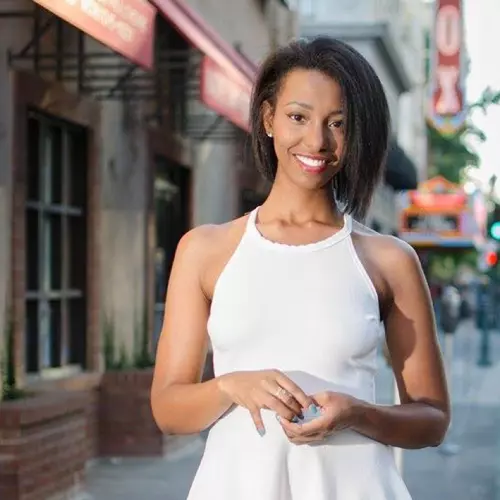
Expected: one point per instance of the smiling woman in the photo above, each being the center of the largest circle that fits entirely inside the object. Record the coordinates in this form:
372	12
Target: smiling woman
296	297
334	93
319	152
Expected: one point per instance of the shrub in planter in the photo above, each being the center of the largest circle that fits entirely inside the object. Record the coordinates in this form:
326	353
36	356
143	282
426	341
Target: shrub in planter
126	424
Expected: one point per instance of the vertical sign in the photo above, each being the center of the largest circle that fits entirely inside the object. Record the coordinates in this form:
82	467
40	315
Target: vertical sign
447	109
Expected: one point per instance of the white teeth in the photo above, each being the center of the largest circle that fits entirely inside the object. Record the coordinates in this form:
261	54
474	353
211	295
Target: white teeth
310	162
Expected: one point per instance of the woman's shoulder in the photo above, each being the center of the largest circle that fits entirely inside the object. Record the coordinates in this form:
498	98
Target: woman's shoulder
206	240
390	253
207	248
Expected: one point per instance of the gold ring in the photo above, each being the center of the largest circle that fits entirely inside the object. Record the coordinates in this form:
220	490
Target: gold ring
282	393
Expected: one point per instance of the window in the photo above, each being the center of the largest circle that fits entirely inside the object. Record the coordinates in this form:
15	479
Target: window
55	244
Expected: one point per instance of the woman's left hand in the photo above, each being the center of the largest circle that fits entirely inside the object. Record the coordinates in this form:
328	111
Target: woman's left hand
337	412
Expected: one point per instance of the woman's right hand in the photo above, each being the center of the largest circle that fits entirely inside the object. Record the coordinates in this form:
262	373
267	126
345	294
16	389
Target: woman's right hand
266	389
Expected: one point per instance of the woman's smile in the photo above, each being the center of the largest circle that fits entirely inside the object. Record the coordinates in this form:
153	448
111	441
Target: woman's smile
312	164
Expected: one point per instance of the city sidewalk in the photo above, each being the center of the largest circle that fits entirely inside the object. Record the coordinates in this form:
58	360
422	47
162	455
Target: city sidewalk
473	473
470	474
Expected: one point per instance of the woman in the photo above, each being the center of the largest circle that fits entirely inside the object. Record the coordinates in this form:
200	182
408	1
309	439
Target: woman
296	298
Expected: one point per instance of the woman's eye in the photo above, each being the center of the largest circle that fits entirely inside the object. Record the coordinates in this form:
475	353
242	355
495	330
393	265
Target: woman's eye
336	124
296	117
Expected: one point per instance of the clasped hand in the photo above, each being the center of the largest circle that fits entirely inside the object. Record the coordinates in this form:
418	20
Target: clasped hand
336	413
273	390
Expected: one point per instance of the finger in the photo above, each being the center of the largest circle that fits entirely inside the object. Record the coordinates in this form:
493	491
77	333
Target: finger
306	439
290	386
288	427
257	420
283	395
278	407
319	425
322	398
289	436
291	428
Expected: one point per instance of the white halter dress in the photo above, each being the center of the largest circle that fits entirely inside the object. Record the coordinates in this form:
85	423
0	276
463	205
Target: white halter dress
312	312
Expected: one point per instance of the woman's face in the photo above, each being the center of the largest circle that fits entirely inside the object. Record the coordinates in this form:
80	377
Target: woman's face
307	128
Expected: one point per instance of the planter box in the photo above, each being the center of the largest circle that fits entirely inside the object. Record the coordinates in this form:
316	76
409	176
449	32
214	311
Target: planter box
43	445
126	425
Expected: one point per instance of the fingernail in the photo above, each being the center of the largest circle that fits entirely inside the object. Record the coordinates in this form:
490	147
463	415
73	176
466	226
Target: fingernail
295	419
301	416
313	408
261	432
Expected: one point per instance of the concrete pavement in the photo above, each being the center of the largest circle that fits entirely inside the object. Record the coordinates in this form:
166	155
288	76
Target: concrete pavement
471	474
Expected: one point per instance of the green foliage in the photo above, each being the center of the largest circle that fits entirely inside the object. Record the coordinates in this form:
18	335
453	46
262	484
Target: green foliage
141	358
488	97
10	391
108	345
450	155
123	362
444	266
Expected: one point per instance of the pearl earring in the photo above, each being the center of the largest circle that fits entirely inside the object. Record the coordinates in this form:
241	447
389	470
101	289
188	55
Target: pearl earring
269	134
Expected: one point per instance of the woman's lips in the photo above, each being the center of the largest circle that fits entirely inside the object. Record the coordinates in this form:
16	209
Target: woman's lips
312	164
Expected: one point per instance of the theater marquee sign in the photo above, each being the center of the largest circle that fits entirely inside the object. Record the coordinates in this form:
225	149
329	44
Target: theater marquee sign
447	109
126	26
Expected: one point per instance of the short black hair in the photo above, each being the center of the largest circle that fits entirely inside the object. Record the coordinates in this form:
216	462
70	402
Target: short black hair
366	112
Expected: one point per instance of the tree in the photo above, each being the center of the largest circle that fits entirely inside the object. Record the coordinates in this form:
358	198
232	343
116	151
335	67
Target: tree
450	155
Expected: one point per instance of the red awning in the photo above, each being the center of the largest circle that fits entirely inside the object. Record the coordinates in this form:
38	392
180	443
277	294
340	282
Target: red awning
206	39
131	33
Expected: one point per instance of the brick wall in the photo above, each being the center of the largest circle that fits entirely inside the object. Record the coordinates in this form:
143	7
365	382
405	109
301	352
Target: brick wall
44	445
126	425
92	423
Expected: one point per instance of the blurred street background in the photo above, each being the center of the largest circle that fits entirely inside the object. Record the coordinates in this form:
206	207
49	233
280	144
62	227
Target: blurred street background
123	124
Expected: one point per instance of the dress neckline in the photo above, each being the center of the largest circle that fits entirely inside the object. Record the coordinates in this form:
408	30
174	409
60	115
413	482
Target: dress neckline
339	235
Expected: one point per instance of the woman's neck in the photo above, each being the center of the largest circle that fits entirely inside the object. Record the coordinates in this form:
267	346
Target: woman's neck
292	204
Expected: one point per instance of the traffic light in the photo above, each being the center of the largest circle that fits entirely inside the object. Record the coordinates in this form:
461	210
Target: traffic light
494	224
495	231
491	258
488	256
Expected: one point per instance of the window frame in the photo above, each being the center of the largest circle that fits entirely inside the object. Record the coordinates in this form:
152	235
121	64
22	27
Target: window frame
48	347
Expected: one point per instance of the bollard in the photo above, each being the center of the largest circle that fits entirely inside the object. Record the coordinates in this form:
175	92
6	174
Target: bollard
483	320
484	348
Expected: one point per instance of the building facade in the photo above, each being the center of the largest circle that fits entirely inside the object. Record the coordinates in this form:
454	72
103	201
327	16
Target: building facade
109	152
387	34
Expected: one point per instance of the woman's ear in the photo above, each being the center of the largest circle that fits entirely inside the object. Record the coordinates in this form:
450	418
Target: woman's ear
267	118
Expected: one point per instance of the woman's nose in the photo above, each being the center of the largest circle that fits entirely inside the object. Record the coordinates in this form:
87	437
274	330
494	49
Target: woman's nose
318	138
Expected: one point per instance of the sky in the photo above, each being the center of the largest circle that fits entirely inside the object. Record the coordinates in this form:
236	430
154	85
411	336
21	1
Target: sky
482	25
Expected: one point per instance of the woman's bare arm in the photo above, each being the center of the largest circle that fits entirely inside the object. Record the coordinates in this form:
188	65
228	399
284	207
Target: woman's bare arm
180	403
423	416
